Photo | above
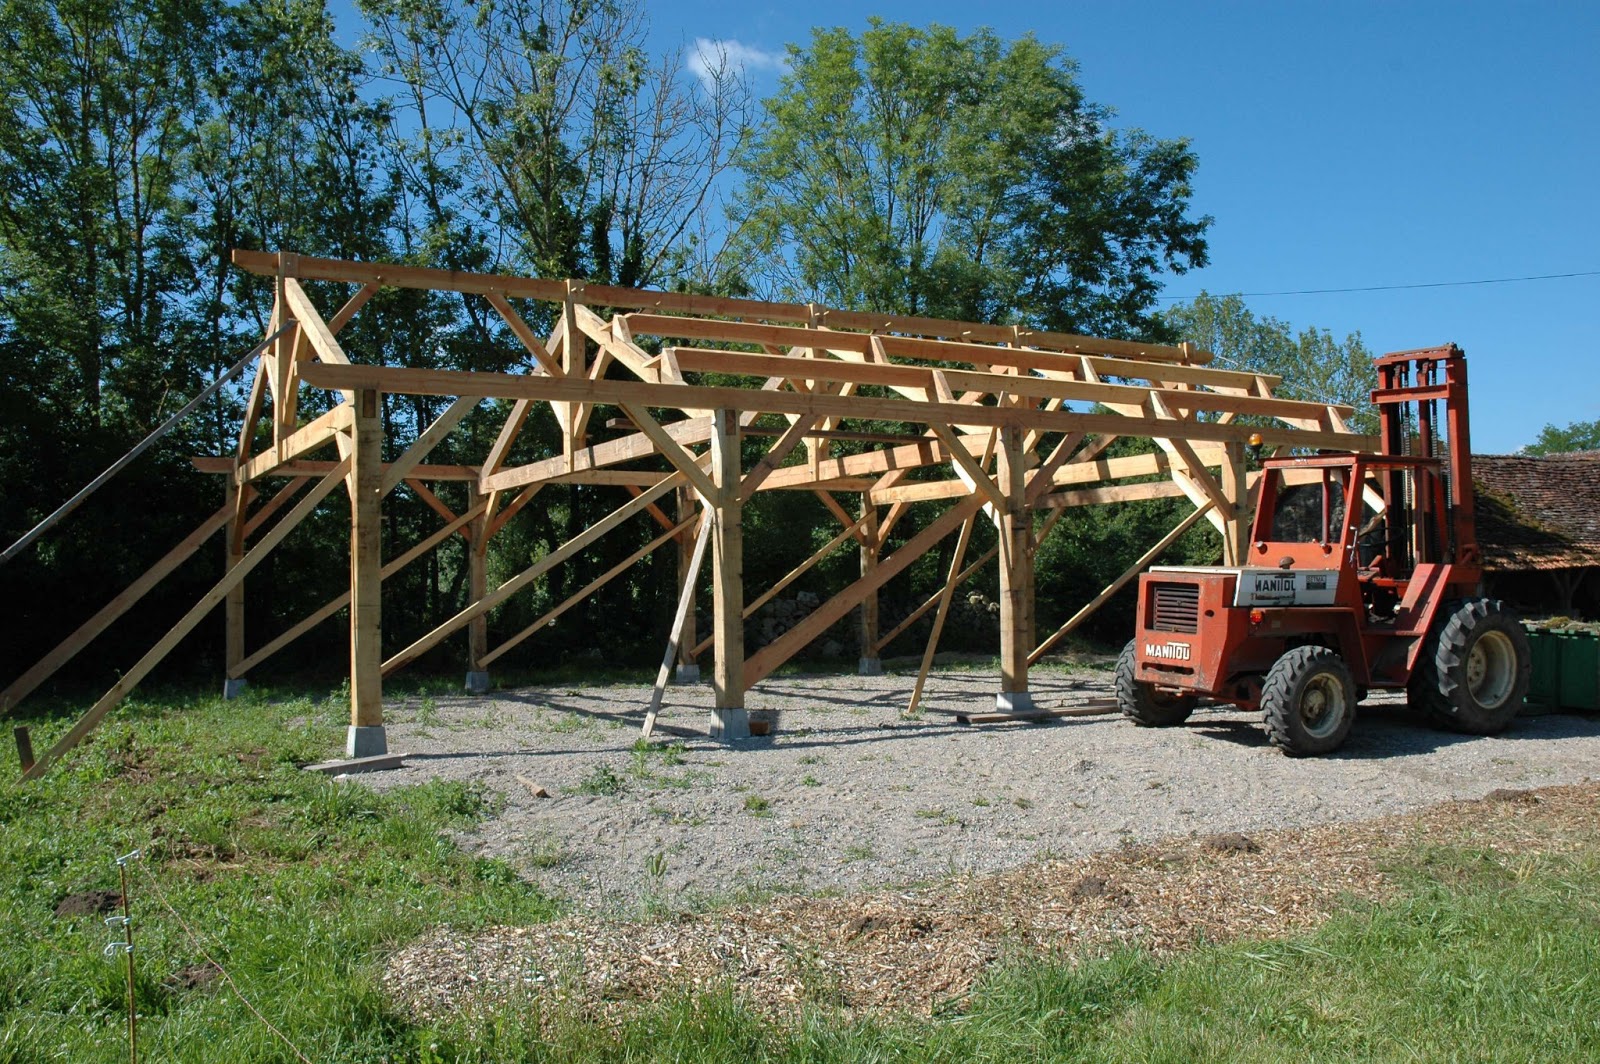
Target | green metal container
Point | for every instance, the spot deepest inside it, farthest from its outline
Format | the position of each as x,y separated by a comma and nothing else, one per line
1580,670
1545,687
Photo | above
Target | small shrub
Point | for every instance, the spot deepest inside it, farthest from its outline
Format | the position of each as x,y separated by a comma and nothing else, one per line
602,781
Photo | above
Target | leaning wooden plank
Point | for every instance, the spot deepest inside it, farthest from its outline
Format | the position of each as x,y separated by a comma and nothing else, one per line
679,619
588,589
25,684
196,614
795,639
944,611
343,600
538,569
285,495
1116,585
853,531
911,618
394,379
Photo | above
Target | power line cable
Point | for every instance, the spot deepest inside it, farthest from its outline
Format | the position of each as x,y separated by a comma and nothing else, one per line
1399,287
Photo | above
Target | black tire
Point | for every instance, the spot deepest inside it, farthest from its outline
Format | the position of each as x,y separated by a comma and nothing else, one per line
1308,701
1475,668
1143,704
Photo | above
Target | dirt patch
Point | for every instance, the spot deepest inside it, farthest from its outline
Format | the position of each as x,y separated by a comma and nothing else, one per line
88,903
921,951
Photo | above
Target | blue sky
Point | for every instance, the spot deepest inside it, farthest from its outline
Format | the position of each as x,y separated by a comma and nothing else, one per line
1344,145
1341,146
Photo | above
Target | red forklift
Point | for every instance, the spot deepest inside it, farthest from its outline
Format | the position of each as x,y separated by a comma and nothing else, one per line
1362,573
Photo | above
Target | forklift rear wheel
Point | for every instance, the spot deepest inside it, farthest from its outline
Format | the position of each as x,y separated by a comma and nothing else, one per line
1481,668
1142,703
1308,701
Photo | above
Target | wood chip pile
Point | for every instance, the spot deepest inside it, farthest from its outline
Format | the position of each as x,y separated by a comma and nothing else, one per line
921,951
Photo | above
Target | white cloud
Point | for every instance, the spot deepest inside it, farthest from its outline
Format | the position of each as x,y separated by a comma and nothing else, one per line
709,56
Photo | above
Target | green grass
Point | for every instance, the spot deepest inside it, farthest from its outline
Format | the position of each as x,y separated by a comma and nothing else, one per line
301,886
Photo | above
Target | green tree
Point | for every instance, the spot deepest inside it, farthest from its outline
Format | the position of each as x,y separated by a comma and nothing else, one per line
1313,364
919,171
1577,436
546,129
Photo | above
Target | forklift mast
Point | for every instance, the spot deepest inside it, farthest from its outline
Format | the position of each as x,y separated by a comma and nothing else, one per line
1429,505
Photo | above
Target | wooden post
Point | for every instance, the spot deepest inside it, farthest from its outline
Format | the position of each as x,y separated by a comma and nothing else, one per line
233,605
870,664
477,587
1236,528
727,579
366,737
1014,523
688,670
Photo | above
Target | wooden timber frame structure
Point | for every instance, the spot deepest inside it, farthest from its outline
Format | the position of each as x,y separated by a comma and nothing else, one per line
994,437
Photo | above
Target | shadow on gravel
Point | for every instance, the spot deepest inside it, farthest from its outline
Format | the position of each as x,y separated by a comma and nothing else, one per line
1389,730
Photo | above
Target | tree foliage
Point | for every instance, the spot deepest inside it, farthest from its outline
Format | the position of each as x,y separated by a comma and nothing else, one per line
1313,364
919,171
912,170
1556,439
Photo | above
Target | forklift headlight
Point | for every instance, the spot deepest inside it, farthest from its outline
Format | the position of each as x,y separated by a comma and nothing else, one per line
1257,616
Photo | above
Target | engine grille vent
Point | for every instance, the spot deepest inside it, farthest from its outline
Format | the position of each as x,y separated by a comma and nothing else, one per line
1175,608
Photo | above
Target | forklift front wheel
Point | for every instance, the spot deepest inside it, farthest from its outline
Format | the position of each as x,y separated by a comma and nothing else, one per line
1142,703
1308,701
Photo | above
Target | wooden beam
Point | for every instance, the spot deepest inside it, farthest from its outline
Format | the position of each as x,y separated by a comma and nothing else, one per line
975,475
388,274
700,397
612,452
790,577
774,457
945,595
284,496
1014,525
567,550
366,565
588,589
333,607
431,437
304,440
911,618
352,305
519,329
795,639
728,676
669,448
680,620
69,647
208,602
1116,585
943,383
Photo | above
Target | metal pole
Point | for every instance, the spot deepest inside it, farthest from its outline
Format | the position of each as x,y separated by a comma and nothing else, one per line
143,445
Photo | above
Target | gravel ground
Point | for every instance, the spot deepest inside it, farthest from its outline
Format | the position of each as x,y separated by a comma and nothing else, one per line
848,796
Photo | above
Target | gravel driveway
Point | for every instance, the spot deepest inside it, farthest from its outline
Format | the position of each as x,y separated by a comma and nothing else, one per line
847,795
